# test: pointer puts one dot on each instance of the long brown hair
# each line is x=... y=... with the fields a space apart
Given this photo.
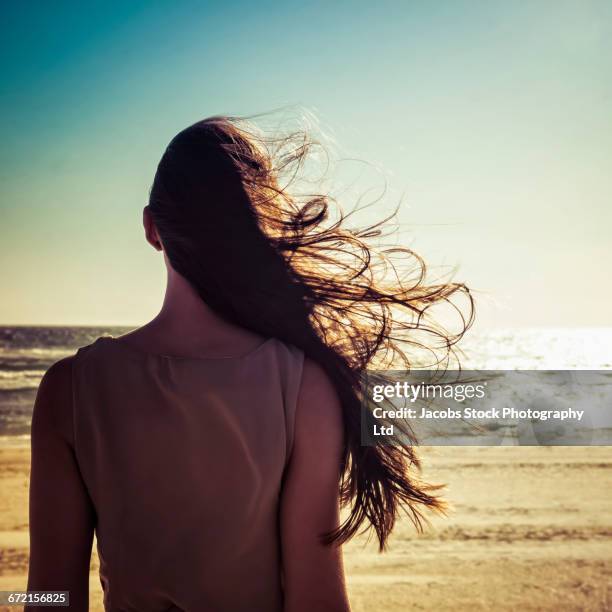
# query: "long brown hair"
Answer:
x=288 y=266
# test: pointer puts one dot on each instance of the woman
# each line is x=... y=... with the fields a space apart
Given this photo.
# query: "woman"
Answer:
x=210 y=449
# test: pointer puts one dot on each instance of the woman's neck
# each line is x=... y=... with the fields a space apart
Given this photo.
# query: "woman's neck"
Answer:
x=186 y=325
x=183 y=306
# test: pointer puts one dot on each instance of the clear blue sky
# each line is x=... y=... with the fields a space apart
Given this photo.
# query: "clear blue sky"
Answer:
x=492 y=118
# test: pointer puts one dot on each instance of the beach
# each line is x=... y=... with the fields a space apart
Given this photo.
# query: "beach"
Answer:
x=530 y=528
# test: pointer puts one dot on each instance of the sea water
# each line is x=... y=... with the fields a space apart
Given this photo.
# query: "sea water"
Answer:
x=27 y=352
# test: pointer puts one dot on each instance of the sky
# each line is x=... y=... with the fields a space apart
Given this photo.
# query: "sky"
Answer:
x=490 y=120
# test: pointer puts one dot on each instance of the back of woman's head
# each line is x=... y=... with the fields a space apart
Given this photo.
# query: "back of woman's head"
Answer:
x=284 y=265
x=209 y=224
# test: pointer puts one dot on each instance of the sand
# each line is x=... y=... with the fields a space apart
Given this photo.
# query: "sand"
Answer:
x=531 y=529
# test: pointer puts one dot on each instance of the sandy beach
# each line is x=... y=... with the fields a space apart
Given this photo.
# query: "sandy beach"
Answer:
x=531 y=528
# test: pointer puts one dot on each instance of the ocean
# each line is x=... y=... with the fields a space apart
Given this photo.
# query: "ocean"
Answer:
x=27 y=352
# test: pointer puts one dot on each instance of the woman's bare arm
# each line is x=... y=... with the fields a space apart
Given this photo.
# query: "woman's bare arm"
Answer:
x=313 y=572
x=61 y=515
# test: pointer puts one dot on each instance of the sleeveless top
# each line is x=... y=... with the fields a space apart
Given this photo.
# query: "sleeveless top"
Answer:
x=184 y=459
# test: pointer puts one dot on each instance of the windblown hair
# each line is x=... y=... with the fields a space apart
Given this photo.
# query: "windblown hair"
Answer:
x=286 y=265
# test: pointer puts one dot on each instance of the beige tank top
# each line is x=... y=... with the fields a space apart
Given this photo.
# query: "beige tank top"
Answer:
x=184 y=460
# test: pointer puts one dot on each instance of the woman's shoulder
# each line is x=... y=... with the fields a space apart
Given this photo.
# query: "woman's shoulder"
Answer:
x=59 y=375
x=101 y=347
x=317 y=390
x=284 y=348
x=53 y=406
